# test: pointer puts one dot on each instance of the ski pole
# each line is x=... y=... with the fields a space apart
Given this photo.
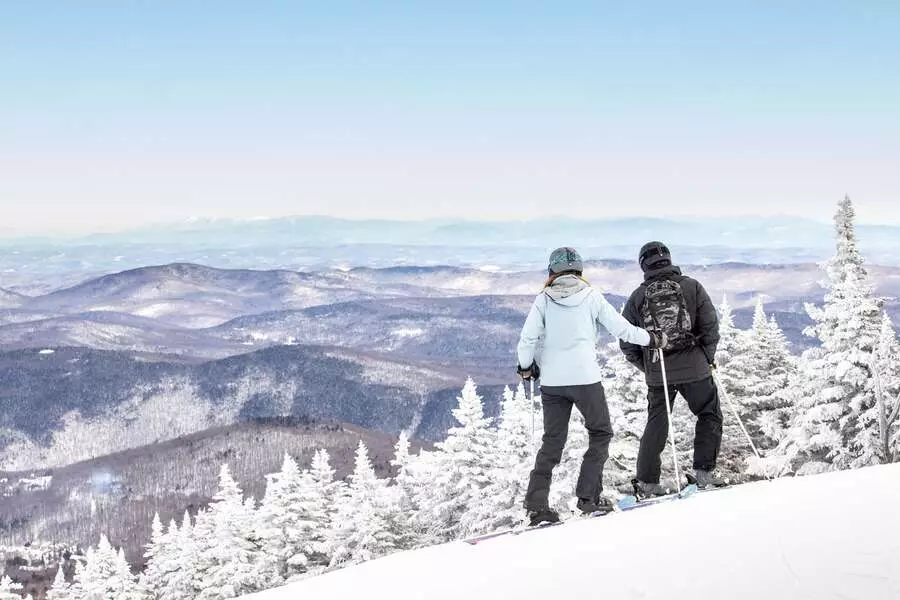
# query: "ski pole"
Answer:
x=737 y=417
x=533 y=451
x=662 y=364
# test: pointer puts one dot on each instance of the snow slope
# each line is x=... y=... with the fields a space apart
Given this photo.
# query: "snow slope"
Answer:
x=829 y=536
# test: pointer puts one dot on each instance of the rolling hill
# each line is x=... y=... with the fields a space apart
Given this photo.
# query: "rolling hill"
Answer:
x=75 y=404
x=119 y=493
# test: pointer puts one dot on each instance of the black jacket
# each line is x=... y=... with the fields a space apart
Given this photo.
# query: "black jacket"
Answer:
x=685 y=366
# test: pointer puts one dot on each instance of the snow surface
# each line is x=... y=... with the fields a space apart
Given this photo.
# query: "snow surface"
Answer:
x=828 y=536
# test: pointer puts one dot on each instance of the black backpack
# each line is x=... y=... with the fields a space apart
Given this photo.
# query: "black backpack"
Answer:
x=664 y=309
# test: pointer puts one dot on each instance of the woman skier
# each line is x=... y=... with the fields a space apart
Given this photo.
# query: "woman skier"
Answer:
x=567 y=315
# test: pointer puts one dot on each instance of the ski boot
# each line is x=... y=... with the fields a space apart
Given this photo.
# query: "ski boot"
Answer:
x=598 y=507
x=643 y=490
x=707 y=480
x=542 y=516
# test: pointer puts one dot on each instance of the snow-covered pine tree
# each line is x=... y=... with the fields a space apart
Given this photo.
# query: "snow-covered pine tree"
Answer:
x=74 y=591
x=9 y=589
x=105 y=576
x=179 y=563
x=729 y=335
x=776 y=410
x=462 y=466
x=334 y=492
x=360 y=529
x=293 y=522
x=227 y=550
x=418 y=479
x=59 y=590
x=761 y=373
x=407 y=481
x=512 y=460
x=156 y=555
x=884 y=417
x=827 y=431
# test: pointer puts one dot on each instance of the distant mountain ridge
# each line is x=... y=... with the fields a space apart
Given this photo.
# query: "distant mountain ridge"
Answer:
x=37 y=265
x=740 y=231
x=10 y=299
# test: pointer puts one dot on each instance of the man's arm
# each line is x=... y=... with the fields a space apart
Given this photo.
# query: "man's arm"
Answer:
x=707 y=330
x=633 y=353
x=532 y=332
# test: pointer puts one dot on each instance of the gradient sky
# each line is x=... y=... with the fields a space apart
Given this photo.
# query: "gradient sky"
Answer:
x=119 y=113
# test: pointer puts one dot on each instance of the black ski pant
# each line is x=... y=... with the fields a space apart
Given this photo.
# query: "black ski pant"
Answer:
x=703 y=399
x=557 y=404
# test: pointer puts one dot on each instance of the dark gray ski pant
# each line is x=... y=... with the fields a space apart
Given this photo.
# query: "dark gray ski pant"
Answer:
x=557 y=404
x=703 y=400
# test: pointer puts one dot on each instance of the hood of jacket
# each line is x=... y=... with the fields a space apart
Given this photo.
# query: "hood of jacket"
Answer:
x=568 y=290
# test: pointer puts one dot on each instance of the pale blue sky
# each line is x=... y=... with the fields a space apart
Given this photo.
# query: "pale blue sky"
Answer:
x=119 y=113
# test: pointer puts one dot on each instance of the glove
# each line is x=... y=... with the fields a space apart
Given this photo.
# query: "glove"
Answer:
x=658 y=340
x=713 y=366
x=529 y=373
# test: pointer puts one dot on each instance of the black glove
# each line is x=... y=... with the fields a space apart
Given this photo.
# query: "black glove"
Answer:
x=658 y=340
x=529 y=373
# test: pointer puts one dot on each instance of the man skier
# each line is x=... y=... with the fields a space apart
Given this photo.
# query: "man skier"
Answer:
x=679 y=307
x=567 y=315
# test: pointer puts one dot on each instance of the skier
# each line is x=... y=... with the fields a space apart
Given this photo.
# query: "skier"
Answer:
x=567 y=315
x=678 y=306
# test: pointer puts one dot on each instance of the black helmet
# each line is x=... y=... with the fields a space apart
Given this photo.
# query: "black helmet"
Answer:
x=654 y=254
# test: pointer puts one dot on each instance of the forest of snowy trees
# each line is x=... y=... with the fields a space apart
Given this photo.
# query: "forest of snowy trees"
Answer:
x=836 y=406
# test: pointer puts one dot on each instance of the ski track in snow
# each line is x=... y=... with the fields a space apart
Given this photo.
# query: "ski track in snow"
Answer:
x=809 y=538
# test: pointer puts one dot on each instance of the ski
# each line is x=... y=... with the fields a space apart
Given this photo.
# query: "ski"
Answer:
x=630 y=502
x=520 y=530
x=512 y=531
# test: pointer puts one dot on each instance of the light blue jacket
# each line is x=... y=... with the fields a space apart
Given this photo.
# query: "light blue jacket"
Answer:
x=567 y=316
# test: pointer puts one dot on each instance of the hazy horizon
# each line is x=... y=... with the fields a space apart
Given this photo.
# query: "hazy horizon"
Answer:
x=9 y=233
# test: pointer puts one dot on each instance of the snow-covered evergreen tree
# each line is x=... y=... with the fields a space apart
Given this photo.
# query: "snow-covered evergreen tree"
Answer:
x=105 y=576
x=293 y=522
x=180 y=561
x=156 y=555
x=360 y=530
x=9 y=589
x=334 y=491
x=462 y=466
x=59 y=590
x=729 y=335
x=884 y=416
x=407 y=481
x=761 y=373
x=512 y=460
x=227 y=549
x=171 y=562
x=827 y=431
